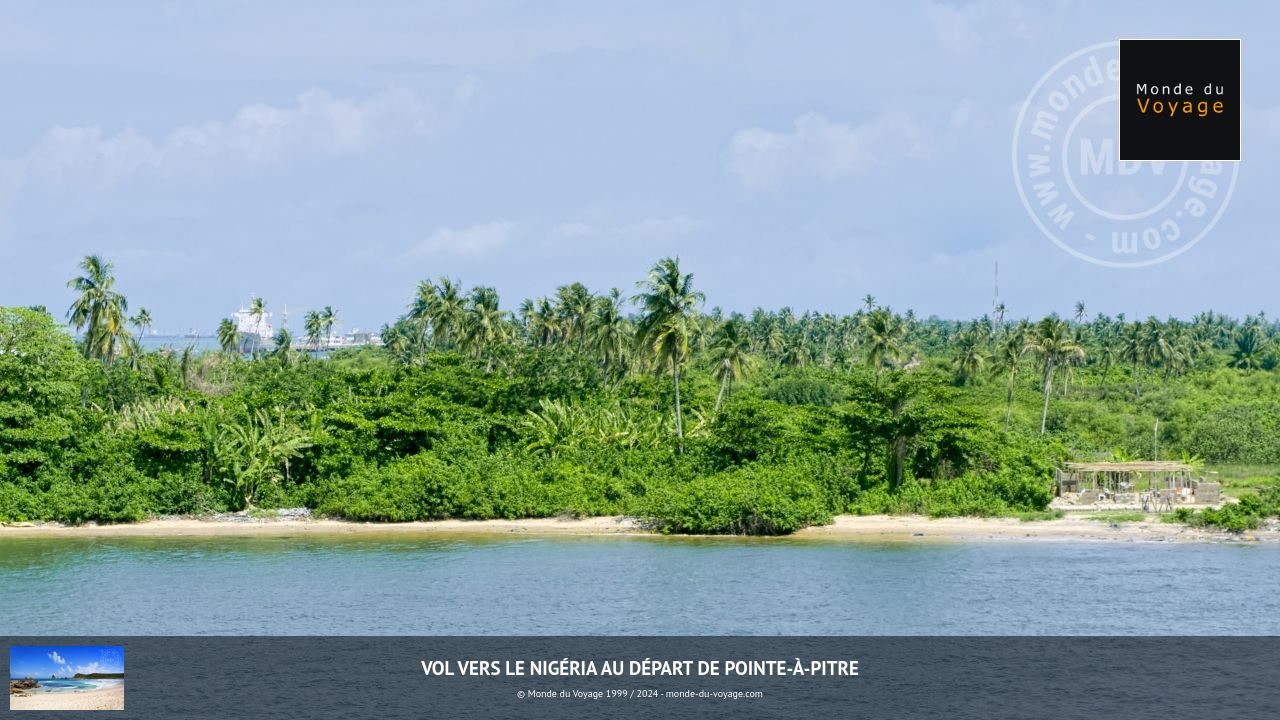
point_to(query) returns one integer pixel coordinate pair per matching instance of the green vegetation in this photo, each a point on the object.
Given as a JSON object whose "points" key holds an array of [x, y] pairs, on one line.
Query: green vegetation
{"points": [[1117, 516], [588, 403], [1250, 513]]}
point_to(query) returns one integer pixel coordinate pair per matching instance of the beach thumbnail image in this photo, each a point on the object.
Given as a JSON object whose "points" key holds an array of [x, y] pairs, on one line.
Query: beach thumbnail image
{"points": [[66, 677]]}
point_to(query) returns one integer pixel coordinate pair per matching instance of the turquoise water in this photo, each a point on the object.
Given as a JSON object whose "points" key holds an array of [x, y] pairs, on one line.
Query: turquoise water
{"points": [[47, 685], [626, 585]]}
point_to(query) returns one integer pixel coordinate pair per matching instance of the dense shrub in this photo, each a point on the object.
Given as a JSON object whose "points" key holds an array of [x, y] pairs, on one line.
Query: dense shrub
{"points": [[426, 487], [1247, 514], [1238, 433], [804, 391], [978, 494], [743, 501]]}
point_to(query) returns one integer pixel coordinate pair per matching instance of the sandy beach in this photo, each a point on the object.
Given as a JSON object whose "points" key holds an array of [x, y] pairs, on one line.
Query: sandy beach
{"points": [[906, 528], [1070, 527], [107, 698]]}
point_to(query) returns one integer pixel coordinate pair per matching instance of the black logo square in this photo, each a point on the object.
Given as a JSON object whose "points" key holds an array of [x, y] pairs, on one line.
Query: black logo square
{"points": [[1179, 99]]}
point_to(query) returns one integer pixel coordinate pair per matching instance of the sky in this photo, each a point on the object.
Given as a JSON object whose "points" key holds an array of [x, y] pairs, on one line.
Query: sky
{"points": [[64, 660], [791, 154]]}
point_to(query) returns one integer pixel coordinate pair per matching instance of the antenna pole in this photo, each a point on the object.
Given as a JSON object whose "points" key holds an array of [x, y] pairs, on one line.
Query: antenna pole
{"points": [[995, 298]]}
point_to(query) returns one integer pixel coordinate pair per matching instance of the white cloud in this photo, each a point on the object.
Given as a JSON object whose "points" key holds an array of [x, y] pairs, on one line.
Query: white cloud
{"points": [[954, 28], [475, 241], [93, 667], [963, 28], [56, 658], [647, 229], [817, 147], [257, 135]]}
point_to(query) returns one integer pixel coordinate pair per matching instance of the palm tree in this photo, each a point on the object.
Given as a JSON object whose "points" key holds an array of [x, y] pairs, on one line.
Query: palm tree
{"points": [[1011, 350], [185, 363], [328, 319], [608, 330], [541, 322], [142, 321], [794, 353], [396, 340], [883, 333], [1108, 350], [1251, 347], [1134, 349], [484, 324], [283, 350], [574, 304], [422, 309], [313, 325], [970, 360], [1052, 341], [1158, 343], [100, 311], [668, 304], [258, 311], [228, 336], [730, 353], [448, 313], [1080, 311]]}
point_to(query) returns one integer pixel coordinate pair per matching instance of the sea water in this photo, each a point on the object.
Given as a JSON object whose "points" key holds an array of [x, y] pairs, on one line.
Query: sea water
{"points": [[501, 585], [72, 684]]}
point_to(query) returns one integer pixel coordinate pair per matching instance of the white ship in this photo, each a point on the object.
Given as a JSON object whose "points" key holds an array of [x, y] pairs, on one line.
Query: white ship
{"points": [[254, 328], [339, 341], [257, 332]]}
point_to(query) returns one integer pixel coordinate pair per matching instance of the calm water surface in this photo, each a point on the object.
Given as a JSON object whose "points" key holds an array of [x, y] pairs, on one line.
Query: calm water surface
{"points": [[501, 586]]}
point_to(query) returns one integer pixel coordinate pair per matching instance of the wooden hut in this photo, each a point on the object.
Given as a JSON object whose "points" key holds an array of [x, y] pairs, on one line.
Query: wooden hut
{"points": [[1162, 483]]}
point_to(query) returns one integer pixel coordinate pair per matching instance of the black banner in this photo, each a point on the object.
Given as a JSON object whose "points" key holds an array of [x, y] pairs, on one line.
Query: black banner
{"points": [[692, 677]]}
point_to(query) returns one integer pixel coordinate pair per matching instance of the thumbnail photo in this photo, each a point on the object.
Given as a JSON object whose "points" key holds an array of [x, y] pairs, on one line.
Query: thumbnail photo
{"points": [[66, 677]]}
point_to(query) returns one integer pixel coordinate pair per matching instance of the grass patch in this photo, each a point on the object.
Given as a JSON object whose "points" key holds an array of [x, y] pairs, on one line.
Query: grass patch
{"points": [[1240, 480], [1038, 515], [1117, 516]]}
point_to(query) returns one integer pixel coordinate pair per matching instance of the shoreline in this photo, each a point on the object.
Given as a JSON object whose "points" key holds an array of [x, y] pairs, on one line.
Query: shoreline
{"points": [[852, 528], [106, 698]]}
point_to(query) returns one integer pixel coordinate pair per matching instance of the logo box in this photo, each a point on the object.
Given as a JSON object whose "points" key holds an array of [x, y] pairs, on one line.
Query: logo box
{"points": [[1180, 100]]}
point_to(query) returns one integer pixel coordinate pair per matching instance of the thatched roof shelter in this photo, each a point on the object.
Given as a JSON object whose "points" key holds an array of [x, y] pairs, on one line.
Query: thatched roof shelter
{"points": [[1124, 476], [1140, 466]]}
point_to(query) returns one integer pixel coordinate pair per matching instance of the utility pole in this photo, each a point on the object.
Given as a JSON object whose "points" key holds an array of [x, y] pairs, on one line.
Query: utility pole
{"points": [[995, 298]]}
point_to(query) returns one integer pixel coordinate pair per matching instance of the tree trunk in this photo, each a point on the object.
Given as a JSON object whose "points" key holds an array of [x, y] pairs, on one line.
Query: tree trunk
{"points": [[724, 382], [675, 374], [899, 460], [1048, 390], [1008, 412], [897, 448]]}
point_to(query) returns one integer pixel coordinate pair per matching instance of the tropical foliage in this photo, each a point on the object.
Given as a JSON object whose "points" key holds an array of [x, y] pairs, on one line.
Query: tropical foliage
{"points": [[584, 402]]}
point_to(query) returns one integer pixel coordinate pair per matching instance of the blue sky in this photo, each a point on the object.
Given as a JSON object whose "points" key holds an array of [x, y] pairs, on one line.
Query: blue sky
{"points": [[801, 154], [64, 660]]}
